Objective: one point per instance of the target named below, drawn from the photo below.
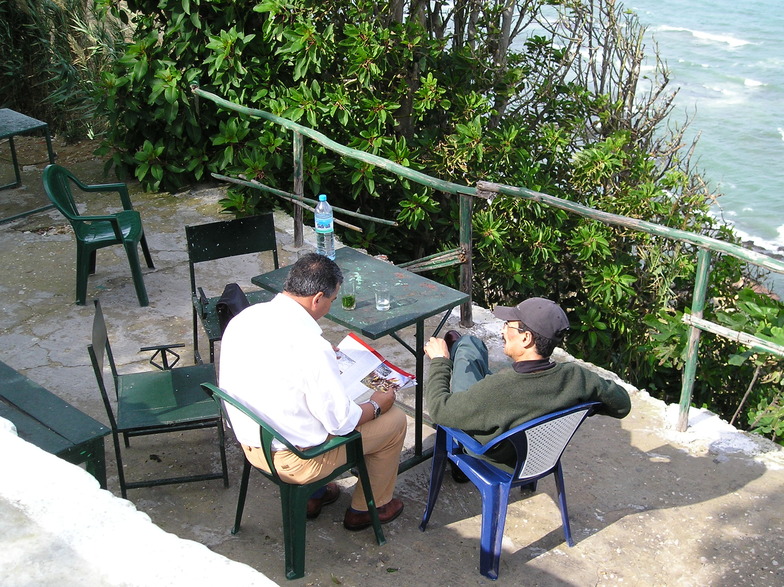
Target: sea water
(727, 58)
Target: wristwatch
(376, 408)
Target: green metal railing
(486, 190)
(460, 256)
(705, 245)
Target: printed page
(363, 370)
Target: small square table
(13, 123)
(52, 424)
(414, 299)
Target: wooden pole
(749, 340)
(320, 138)
(302, 201)
(299, 189)
(466, 269)
(487, 190)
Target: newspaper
(363, 370)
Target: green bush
(486, 91)
(743, 384)
(51, 55)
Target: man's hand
(384, 399)
(436, 347)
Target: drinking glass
(383, 297)
(348, 294)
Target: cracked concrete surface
(648, 506)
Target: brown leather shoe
(451, 337)
(355, 520)
(316, 503)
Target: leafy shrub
(51, 55)
(462, 92)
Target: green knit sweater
(507, 399)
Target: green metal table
(52, 424)
(13, 123)
(414, 299)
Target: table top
(41, 417)
(414, 297)
(13, 123)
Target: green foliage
(768, 418)
(762, 317)
(51, 56)
(466, 91)
(758, 372)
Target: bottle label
(324, 226)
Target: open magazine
(363, 370)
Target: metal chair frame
(294, 498)
(539, 445)
(219, 240)
(155, 402)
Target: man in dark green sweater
(461, 392)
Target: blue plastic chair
(539, 444)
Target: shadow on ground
(645, 509)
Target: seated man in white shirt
(275, 361)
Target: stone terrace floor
(648, 506)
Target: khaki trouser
(382, 442)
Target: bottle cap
(322, 197)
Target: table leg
(419, 455)
(18, 176)
(15, 163)
(420, 386)
(96, 465)
(49, 144)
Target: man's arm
(615, 399)
(457, 410)
(385, 401)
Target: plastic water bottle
(325, 231)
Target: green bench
(43, 419)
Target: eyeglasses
(521, 330)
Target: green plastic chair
(219, 240)
(294, 498)
(155, 402)
(96, 232)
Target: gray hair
(311, 274)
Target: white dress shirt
(275, 362)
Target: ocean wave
(772, 245)
(719, 90)
(723, 39)
(727, 59)
(766, 246)
(718, 96)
